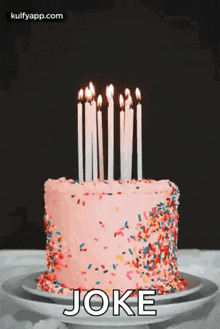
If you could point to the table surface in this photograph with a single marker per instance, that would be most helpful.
(203, 263)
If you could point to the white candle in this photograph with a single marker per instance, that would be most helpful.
(122, 128)
(88, 137)
(100, 140)
(125, 160)
(80, 137)
(139, 136)
(94, 135)
(110, 92)
(128, 102)
(130, 143)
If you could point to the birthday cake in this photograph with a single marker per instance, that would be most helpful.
(109, 235)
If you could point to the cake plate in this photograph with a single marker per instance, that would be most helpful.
(29, 284)
(166, 309)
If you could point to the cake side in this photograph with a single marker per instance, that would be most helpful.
(111, 236)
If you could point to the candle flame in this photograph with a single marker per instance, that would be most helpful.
(92, 89)
(138, 94)
(111, 88)
(121, 101)
(108, 92)
(88, 94)
(99, 101)
(127, 92)
(80, 95)
(130, 99)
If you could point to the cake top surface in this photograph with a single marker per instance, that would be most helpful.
(145, 186)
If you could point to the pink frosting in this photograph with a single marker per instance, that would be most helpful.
(99, 226)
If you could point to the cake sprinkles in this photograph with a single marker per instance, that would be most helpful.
(135, 251)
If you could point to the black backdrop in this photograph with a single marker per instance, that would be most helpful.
(169, 49)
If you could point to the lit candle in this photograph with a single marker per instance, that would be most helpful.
(127, 102)
(100, 139)
(139, 135)
(88, 136)
(94, 134)
(80, 136)
(130, 138)
(122, 128)
(110, 93)
(126, 135)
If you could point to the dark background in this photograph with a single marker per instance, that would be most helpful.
(169, 49)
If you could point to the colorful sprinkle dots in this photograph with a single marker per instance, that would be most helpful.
(114, 266)
(82, 244)
(128, 275)
(120, 257)
(131, 252)
(97, 282)
(96, 239)
(139, 217)
(83, 203)
(126, 224)
(89, 266)
(78, 201)
(116, 208)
